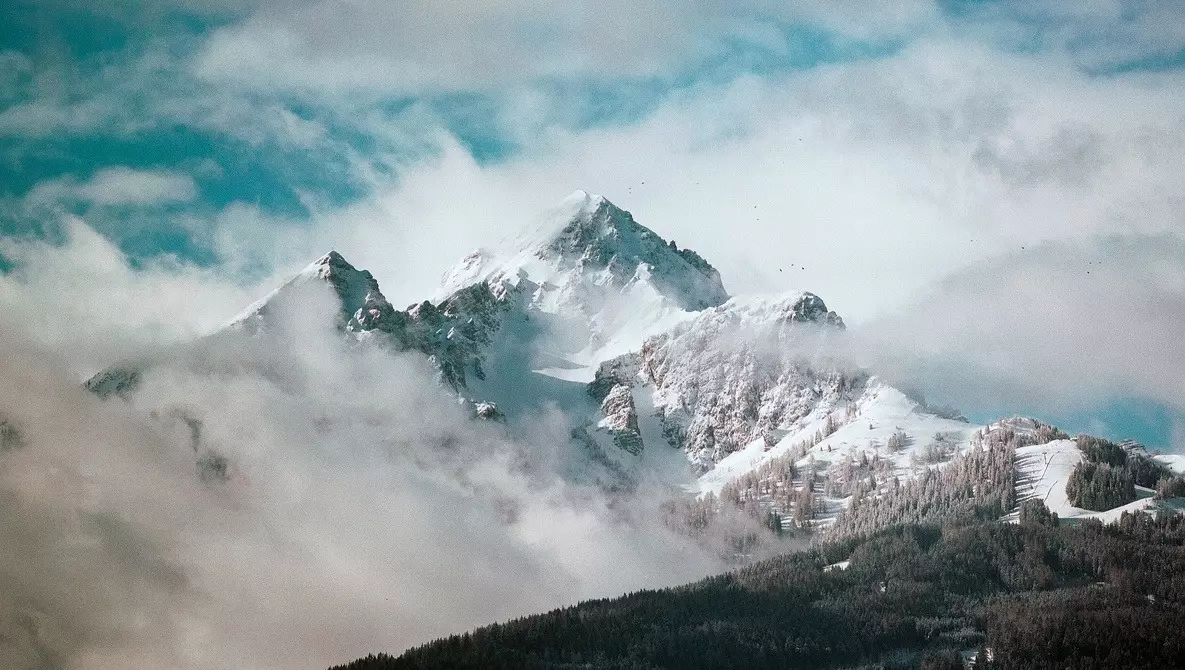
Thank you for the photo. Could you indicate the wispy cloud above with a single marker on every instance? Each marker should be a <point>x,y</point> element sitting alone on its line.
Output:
<point>423,47</point>
<point>119,186</point>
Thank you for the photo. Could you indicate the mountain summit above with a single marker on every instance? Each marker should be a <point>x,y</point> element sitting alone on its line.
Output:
<point>605,281</point>
<point>588,240</point>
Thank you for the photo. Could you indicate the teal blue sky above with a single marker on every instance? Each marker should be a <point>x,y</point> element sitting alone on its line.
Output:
<point>1146,421</point>
<point>159,124</point>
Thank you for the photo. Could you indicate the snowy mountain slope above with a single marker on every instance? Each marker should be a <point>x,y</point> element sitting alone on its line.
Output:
<point>363,304</point>
<point>1174,462</point>
<point>922,462</point>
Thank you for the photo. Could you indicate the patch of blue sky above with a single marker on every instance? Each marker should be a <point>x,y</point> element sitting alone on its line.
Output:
<point>225,171</point>
<point>225,168</point>
<point>474,120</point>
<point>1154,62</point>
<point>145,242</point>
<point>89,35</point>
<point>1149,422</point>
<point>1021,27</point>
<point>584,103</point>
<point>276,175</point>
<point>76,32</point>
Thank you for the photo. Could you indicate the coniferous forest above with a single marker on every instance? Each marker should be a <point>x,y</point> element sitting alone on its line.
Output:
<point>992,595</point>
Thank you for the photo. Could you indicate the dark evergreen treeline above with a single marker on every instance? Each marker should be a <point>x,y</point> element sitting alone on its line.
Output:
<point>1033,595</point>
<point>1109,474</point>
<point>1100,487</point>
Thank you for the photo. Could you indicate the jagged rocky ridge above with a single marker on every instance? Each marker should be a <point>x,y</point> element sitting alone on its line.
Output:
<point>734,374</point>
<point>451,332</point>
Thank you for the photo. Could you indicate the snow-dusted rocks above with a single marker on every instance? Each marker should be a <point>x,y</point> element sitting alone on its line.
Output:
<point>116,380</point>
<point>739,372</point>
<point>487,411</point>
<point>451,332</point>
<point>621,419</point>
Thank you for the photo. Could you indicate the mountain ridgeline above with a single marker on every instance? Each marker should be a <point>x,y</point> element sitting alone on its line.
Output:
<point>639,344</point>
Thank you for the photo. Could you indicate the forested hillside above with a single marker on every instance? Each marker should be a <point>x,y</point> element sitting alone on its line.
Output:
<point>1030,595</point>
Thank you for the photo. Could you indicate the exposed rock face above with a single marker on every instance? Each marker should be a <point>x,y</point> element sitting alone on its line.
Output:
<point>617,371</point>
<point>11,438</point>
<point>118,380</point>
<point>487,411</point>
<point>810,309</point>
<point>452,333</point>
<point>621,419</point>
<point>363,305</point>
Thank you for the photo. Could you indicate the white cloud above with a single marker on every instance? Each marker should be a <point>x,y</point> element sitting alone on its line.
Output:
<point>364,511</point>
<point>1101,34</point>
<point>84,301</point>
<point>119,186</point>
<point>1064,326</point>
<point>428,47</point>
<point>40,118</point>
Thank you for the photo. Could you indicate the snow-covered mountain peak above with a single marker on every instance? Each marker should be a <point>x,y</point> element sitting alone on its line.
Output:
<point>604,281</point>
<point>606,239</point>
<point>586,242</point>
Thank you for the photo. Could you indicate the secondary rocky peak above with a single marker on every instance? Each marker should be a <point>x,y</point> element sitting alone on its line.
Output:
<point>810,308</point>
<point>774,310</point>
<point>363,304</point>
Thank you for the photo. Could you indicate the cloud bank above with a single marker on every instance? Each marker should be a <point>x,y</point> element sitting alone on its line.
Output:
<point>355,509</point>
